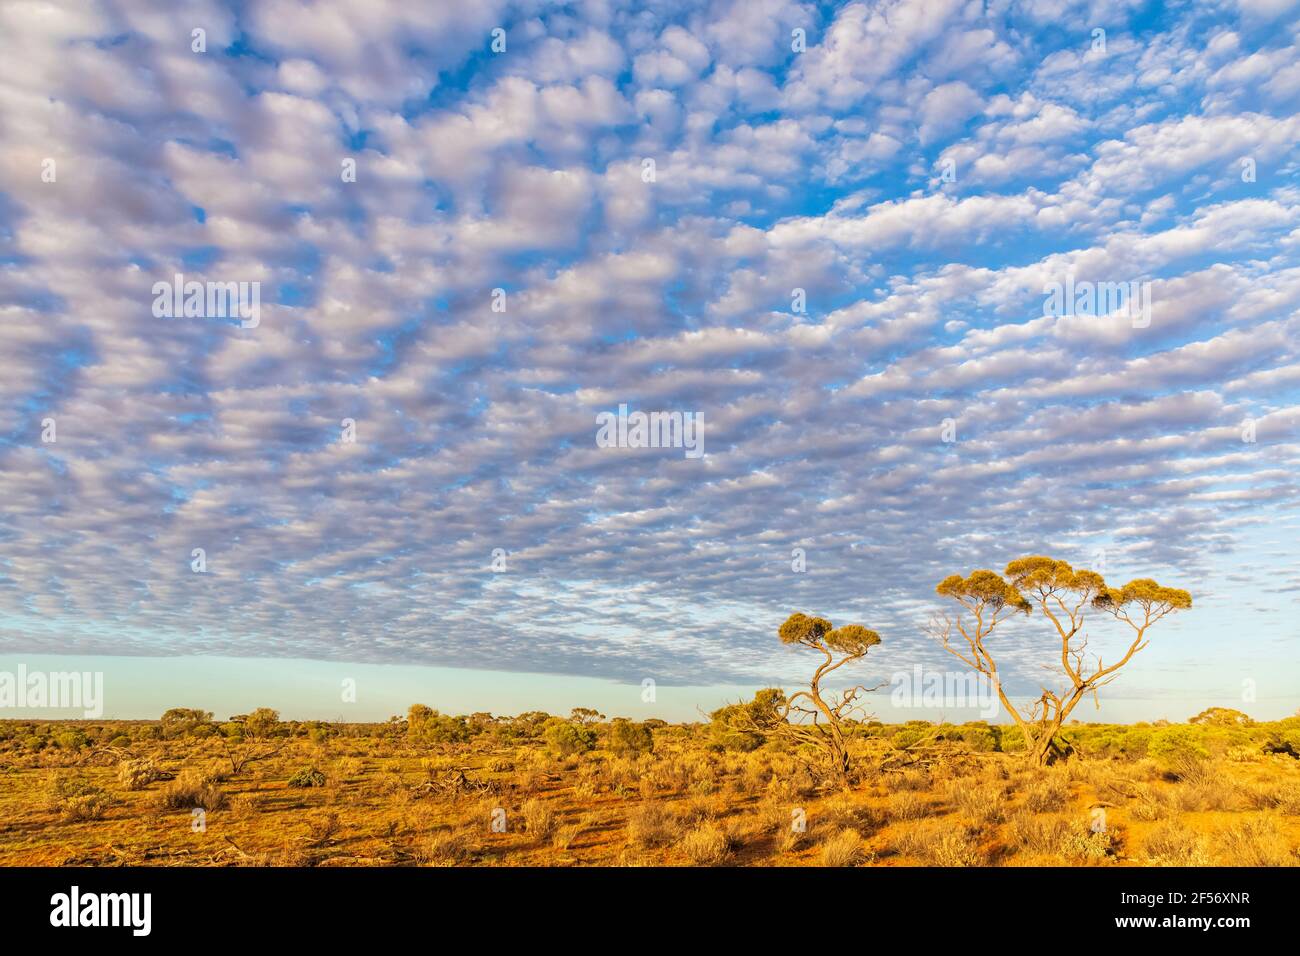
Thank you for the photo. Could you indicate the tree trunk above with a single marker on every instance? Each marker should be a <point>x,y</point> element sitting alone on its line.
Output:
<point>838,752</point>
<point>1041,748</point>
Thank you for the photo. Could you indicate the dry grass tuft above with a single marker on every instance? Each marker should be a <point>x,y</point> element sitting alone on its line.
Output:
<point>707,845</point>
<point>650,825</point>
<point>842,848</point>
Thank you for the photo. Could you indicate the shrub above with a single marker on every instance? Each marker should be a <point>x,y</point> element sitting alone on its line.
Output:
<point>539,819</point>
<point>564,738</point>
<point>1254,842</point>
<point>184,721</point>
<point>565,837</point>
<point>190,791</point>
<point>1221,717</point>
<point>70,740</point>
<point>983,805</point>
<point>981,737</point>
<point>942,844</point>
<point>1282,797</point>
<point>842,848</point>
<point>1202,788</point>
<point>706,845</point>
<point>76,799</point>
<point>447,848</point>
<point>915,780</point>
<point>1057,836</point>
<point>742,727</point>
<point>1041,836</point>
<point>1084,843</point>
<point>907,806</point>
<point>1134,742</point>
<point>1047,796</point>
<point>1283,741</point>
<point>1177,749</point>
<point>323,827</point>
<point>649,825</point>
<point>627,739</point>
<point>1172,844</point>
<point>1151,804</point>
<point>307,777</point>
<point>137,774</point>
<point>955,848</point>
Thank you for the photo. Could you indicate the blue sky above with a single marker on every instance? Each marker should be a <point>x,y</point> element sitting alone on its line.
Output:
<point>917,173</point>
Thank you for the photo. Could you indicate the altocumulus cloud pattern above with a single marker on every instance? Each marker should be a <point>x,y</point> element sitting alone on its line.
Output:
<point>827,231</point>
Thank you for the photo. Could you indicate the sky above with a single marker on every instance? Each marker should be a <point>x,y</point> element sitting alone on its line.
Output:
<point>828,232</point>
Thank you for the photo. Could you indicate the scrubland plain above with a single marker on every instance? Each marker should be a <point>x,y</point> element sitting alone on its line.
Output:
<point>537,790</point>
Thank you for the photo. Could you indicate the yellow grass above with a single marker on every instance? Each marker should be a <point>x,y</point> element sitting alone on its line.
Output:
<point>388,800</point>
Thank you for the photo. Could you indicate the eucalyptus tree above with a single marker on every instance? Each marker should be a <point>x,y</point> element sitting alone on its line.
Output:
<point>1064,597</point>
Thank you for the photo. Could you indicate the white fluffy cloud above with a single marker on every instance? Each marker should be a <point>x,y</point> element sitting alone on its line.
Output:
<point>670,211</point>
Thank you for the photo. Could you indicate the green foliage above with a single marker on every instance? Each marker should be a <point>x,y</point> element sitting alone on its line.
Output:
<point>983,588</point>
<point>427,725</point>
<point>307,777</point>
<point>262,723</point>
<point>627,739</point>
<point>1177,747</point>
<point>1284,738</point>
<point>1043,575</point>
<point>740,727</point>
<point>911,732</point>
<point>70,740</point>
<point>1135,741</point>
<point>564,738</point>
<point>1013,740</point>
<point>76,799</point>
<point>817,632</point>
<point>1145,593</point>
<point>981,737</point>
<point>184,721</point>
<point>1221,717</point>
<point>802,629</point>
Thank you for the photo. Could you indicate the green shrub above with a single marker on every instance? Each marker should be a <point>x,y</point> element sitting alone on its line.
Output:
<point>307,777</point>
<point>70,740</point>
<point>627,739</point>
<point>75,799</point>
<point>1013,740</point>
<point>981,737</point>
<point>1177,748</point>
<point>564,738</point>
<point>429,726</point>
<point>740,727</point>
<point>1284,741</point>
<point>1135,741</point>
